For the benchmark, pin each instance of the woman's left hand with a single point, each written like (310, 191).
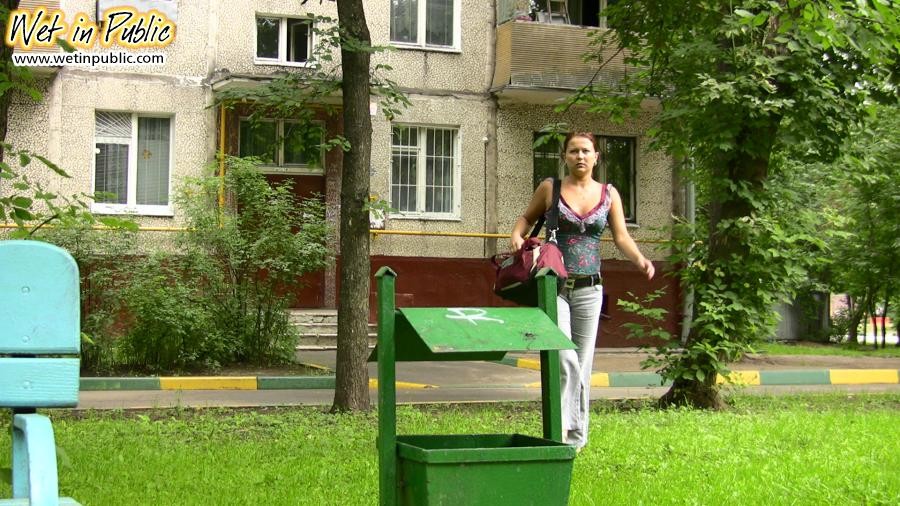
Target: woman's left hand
(647, 268)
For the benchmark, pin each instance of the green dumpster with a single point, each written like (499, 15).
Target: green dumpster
(489, 469)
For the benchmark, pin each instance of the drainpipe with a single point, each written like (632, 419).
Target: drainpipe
(690, 213)
(490, 146)
(221, 161)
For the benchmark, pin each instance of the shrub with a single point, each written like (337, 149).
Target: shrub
(103, 263)
(172, 323)
(257, 246)
(222, 299)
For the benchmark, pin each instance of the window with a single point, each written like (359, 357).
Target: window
(283, 41)
(432, 24)
(425, 171)
(616, 166)
(282, 145)
(589, 12)
(132, 157)
(547, 161)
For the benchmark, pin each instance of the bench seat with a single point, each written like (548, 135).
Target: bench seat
(39, 360)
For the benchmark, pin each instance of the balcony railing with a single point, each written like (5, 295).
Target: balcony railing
(544, 57)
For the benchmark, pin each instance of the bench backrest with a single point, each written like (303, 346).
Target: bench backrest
(39, 326)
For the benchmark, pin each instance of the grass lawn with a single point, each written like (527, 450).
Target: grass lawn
(845, 349)
(831, 449)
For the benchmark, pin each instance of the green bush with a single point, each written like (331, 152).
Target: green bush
(840, 326)
(258, 245)
(103, 263)
(221, 299)
(172, 324)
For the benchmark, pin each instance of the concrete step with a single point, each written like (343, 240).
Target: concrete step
(318, 328)
(313, 316)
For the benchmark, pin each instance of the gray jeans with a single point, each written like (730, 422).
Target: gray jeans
(578, 313)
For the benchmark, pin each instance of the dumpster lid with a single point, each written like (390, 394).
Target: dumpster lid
(480, 329)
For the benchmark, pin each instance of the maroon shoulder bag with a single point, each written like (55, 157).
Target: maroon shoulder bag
(516, 272)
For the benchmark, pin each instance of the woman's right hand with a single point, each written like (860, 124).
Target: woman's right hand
(516, 242)
(538, 206)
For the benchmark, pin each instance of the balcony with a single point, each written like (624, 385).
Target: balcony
(542, 62)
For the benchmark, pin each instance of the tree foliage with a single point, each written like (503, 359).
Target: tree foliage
(742, 84)
(25, 200)
(864, 192)
(248, 257)
(300, 96)
(221, 299)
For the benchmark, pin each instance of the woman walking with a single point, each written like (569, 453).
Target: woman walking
(585, 208)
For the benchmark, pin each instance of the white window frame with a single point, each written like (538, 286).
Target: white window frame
(130, 206)
(421, 213)
(278, 166)
(282, 42)
(421, 34)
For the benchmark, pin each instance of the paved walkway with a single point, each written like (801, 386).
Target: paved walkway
(617, 374)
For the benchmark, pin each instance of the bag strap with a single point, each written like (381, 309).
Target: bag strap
(552, 213)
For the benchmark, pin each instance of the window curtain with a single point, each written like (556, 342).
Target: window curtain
(112, 133)
(153, 161)
(111, 173)
(439, 170)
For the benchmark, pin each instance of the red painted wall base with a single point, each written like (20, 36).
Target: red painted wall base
(464, 282)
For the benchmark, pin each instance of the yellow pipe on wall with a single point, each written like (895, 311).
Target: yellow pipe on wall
(376, 233)
(479, 235)
(442, 234)
(103, 227)
(221, 160)
(476, 235)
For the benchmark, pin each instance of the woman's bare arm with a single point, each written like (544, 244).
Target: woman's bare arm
(538, 206)
(623, 239)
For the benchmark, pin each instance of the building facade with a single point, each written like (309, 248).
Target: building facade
(483, 79)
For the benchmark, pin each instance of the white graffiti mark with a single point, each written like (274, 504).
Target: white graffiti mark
(470, 314)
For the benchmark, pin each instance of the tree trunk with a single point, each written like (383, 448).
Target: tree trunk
(854, 315)
(351, 375)
(738, 169)
(873, 316)
(865, 329)
(6, 68)
(698, 394)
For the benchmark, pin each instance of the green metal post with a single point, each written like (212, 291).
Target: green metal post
(387, 394)
(550, 396)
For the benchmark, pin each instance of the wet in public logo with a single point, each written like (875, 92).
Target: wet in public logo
(122, 26)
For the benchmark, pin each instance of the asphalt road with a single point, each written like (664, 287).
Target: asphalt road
(431, 382)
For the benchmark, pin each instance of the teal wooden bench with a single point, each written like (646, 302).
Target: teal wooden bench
(39, 346)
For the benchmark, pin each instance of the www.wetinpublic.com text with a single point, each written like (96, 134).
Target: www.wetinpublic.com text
(81, 59)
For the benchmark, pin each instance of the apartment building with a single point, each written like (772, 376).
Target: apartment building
(482, 76)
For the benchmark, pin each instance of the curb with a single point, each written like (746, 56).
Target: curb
(742, 377)
(226, 383)
(598, 379)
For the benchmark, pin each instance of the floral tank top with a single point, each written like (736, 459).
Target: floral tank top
(579, 236)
